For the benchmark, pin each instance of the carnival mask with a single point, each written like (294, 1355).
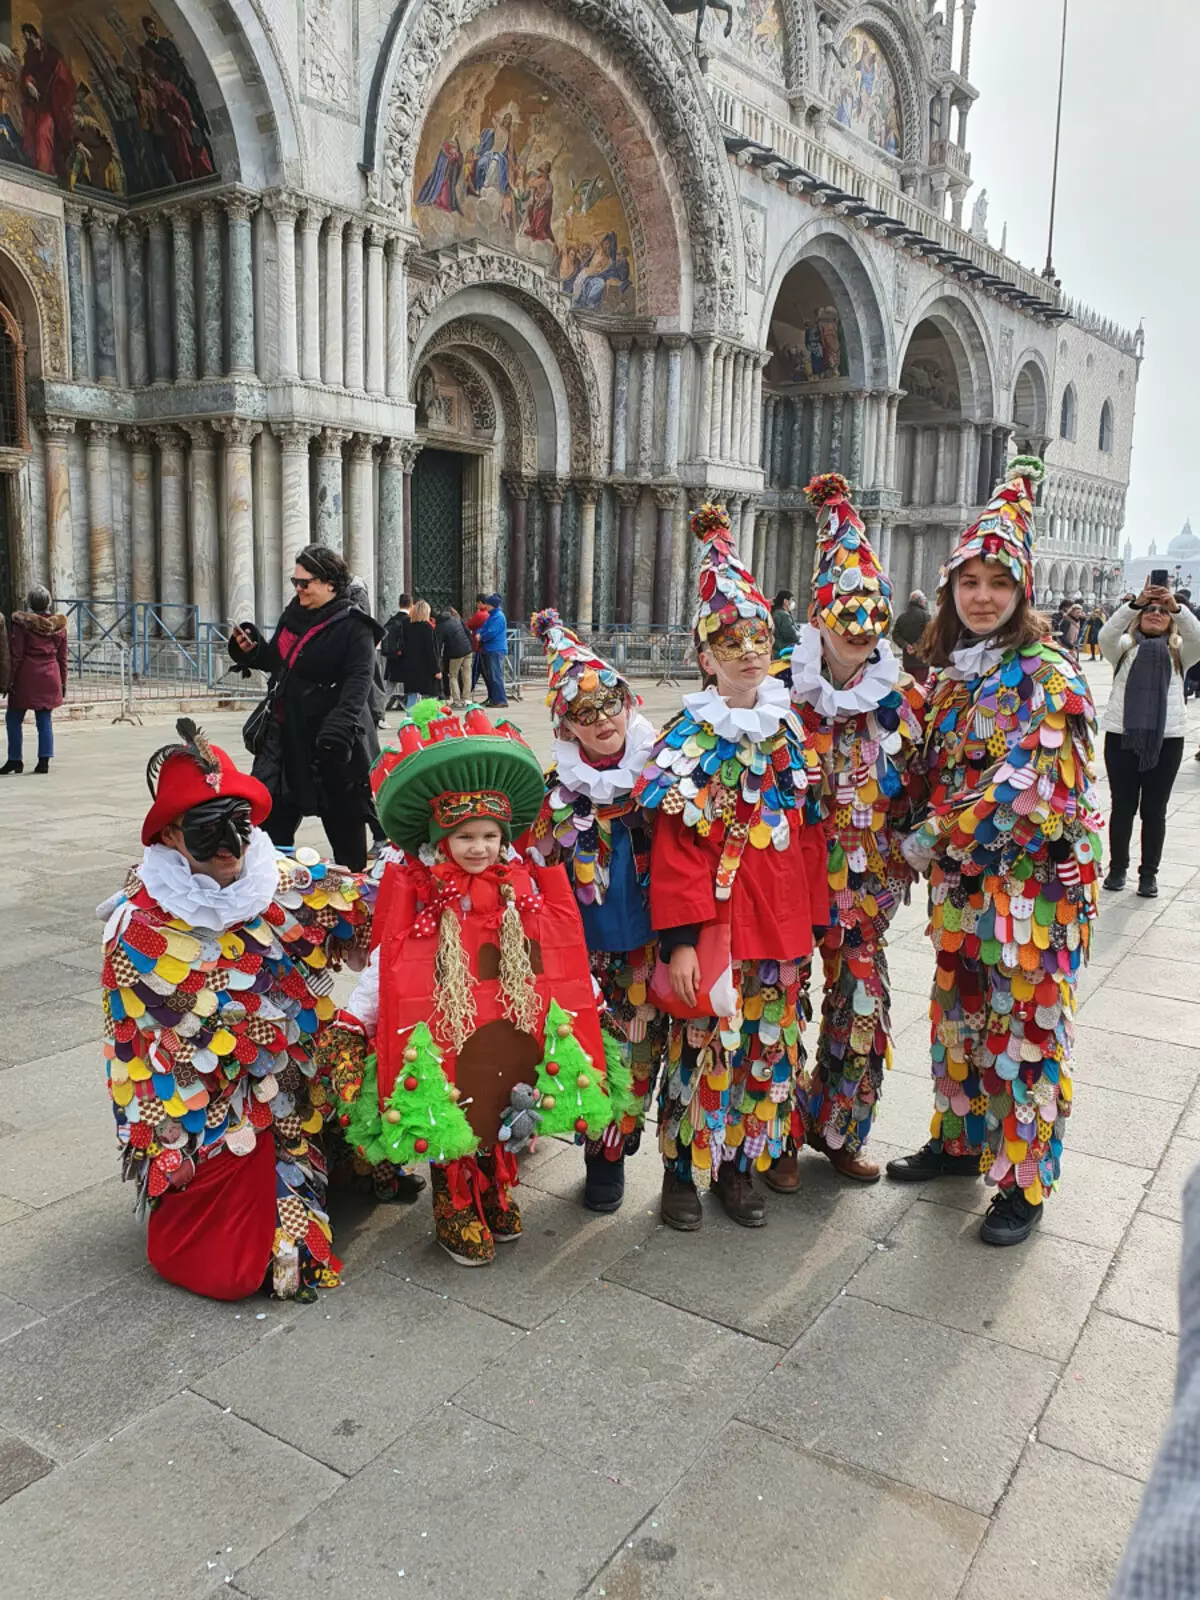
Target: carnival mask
(588, 709)
(215, 826)
(751, 636)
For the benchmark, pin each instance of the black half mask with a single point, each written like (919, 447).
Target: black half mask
(217, 825)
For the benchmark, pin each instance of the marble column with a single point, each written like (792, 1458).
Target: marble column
(144, 580)
(399, 251)
(916, 464)
(100, 237)
(552, 498)
(183, 290)
(284, 210)
(837, 422)
(102, 552)
(295, 493)
(821, 457)
(333, 355)
(645, 441)
(666, 500)
(940, 465)
(875, 538)
(795, 453)
(758, 551)
(670, 456)
(241, 320)
(162, 363)
(620, 402)
(74, 215)
(589, 494)
(999, 455)
(728, 358)
(966, 450)
(376, 357)
(745, 529)
(60, 551)
(328, 519)
(627, 499)
(717, 399)
(238, 565)
(857, 424)
(310, 292)
(172, 523)
(354, 304)
(983, 481)
(205, 515)
(893, 408)
(736, 419)
(135, 301)
(392, 579)
(518, 530)
(212, 280)
(781, 412)
(879, 467)
(412, 449)
(801, 581)
(755, 454)
(704, 398)
(360, 522)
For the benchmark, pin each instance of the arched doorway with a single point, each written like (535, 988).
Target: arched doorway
(1029, 404)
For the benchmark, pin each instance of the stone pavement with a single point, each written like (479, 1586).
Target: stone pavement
(859, 1401)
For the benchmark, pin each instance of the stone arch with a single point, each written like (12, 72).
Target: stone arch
(956, 319)
(677, 166)
(1068, 413)
(492, 356)
(30, 284)
(834, 251)
(1104, 439)
(1030, 396)
(902, 47)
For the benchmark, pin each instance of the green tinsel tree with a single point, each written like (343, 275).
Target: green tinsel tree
(423, 1120)
(573, 1098)
(361, 1120)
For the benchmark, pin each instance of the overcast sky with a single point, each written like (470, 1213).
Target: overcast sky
(1127, 234)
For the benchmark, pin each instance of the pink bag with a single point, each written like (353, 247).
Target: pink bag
(717, 995)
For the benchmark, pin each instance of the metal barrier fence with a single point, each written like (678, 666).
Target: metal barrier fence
(662, 654)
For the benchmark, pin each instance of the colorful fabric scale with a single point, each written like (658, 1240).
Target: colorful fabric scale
(1013, 894)
(582, 831)
(210, 1038)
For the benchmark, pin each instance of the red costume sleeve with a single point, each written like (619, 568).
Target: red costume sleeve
(682, 873)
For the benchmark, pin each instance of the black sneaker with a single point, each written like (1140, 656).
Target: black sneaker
(1010, 1219)
(1115, 879)
(604, 1186)
(931, 1162)
(1148, 885)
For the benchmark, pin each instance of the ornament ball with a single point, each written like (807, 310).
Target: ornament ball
(552, 1069)
(410, 1053)
(583, 1080)
(563, 1030)
(547, 1102)
(420, 1146)
(410, 1082)
(391, 1116)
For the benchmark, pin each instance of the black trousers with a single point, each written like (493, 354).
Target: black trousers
(1134, 791)
(347, 836)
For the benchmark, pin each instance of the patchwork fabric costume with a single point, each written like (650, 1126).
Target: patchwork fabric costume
(213, 1001)
(866, 734)
(737, 869)
(1014, 881)
(592, 825)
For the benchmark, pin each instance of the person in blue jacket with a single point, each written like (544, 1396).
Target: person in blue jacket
(592, 825)
(493, 647)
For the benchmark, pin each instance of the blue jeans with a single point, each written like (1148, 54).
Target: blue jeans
(493, 672)
(45, 731)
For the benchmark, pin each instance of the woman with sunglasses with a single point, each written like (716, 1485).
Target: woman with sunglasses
(1150, 645)
(319, 740)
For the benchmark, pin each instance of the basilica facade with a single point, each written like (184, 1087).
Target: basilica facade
(489, 294)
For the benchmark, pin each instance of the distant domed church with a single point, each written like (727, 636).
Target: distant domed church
(1182, 561)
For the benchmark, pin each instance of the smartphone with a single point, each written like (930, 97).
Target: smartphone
(1159, 578)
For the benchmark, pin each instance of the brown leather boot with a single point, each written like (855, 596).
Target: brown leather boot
(736, 1192)
(854, 1165)
(783, 1175)
(680, 1204)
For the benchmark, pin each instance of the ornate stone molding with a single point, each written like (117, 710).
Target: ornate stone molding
(56, 427)
(475, 389)
(102, 432)
(331, 440)
(628, 494)
(666, 495)
(240, 433)
(553, 490)
(510, 381)
(200, 434)
(362, 446)
(294, 437)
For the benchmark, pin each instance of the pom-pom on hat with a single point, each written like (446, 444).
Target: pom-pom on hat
(851, 592)
(574, 672)
(180, 776)
(728, 591)
(1004, 532)
(448, 771)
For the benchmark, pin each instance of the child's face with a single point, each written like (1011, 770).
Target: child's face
(475, 846)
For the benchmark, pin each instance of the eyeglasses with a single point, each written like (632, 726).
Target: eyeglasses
(587, 712)
(301, 583)
(1155, 611)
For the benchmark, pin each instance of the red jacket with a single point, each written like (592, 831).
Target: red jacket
(476, 621)
(38, 650)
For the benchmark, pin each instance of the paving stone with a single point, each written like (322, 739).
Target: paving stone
(1121, 1126)
(720, 1533)
(1183, 916)
(935, 1266)
(32, 1033)
(563, 1175)
(1165, 1198)
(1115, 1395)
(35, 983)
(909, 1008)
(12, 1210)
(15, 1315)
(1107, 949)
(1073, 1552)
(45, 1157)
(910, 1399)
(1144, 1017)
(33, 945)
(639, 1371)
(215, 1482)
(910, 1054)
(562, 1250)
(20, 1465)
(1144, 1282)
(1115, 1061)
(1176, 979)
(67, 1250)
(95, 1367)
(400, 1351)
(910, 968)
(1189, 1123)
(461, 1508)
(906, 1104)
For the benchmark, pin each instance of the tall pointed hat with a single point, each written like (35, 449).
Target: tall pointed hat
(729, 592)
(851, 592)
(1004, 532)
(577, 677)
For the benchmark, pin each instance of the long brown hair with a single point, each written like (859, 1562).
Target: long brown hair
(946, 629)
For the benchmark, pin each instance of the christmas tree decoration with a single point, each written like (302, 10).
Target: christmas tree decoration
(361, 1120)
(623, 1100)
(573, 1097)
(423, 1120)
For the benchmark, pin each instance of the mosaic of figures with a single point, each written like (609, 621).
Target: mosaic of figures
(756, 33)
(808, 353)
(863, 91)
(504, 160)
(100, 99)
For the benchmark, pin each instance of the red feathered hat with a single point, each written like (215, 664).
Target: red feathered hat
(180, 776)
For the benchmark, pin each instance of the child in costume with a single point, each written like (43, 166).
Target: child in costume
(858, 710)
(218, 962)
(1010, 839)
(478, 989)
(591, 824)
(737, 883)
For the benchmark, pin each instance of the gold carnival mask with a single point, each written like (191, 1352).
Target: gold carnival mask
(750, 636)
(588, 709)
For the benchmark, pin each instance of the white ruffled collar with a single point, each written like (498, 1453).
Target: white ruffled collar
(200, 901)
(873, 684)
(756, 722)
(602, 784)
(974, 660)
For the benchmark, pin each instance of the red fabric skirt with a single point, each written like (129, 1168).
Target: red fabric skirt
(215, 1237)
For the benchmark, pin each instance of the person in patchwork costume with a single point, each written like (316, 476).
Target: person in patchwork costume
(591, 823)
(737, 883)
(1010, 843)
(218, 963)
(861, 714)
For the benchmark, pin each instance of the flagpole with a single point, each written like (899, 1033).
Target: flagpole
(1048, 270)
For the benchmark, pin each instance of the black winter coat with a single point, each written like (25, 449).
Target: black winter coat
(394, 635)
(453, 640)
(322, 741)
(421, 664)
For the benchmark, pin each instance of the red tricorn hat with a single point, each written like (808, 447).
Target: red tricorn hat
(180, 776)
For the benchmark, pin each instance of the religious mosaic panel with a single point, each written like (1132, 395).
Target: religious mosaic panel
(863, 91)
(99, 97)
(504, 160)
(808, 340)
(756, 33)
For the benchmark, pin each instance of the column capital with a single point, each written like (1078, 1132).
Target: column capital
(313, 216)
(646, 342)
(239, 432)
(410, 450)
(100, 220)
(138, 438)
(392, 454)
(516, 485)
(239, 207)
(628, 494)
(180, 218)
(331, 440)
(283, 206)
(355, 228)
(102, 432)
(209, 210)
(74, 212)
(337, 219)
(620, 341)
(378, 235)
(675, 341)
(294, 437)
(54, 426)
(588, 490)
(200, 434)
(666, 496)
(401, 248)
(167, 436)
(362, 446)
(553, 490)
(132, 228)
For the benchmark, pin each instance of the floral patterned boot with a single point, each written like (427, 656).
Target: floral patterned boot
(501, 1210)
(458, 1220)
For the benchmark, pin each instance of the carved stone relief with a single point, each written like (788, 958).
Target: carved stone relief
(329, 65)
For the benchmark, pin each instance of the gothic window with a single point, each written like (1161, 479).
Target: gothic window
(1106, 427)
(1068, 420)
(14, 427)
